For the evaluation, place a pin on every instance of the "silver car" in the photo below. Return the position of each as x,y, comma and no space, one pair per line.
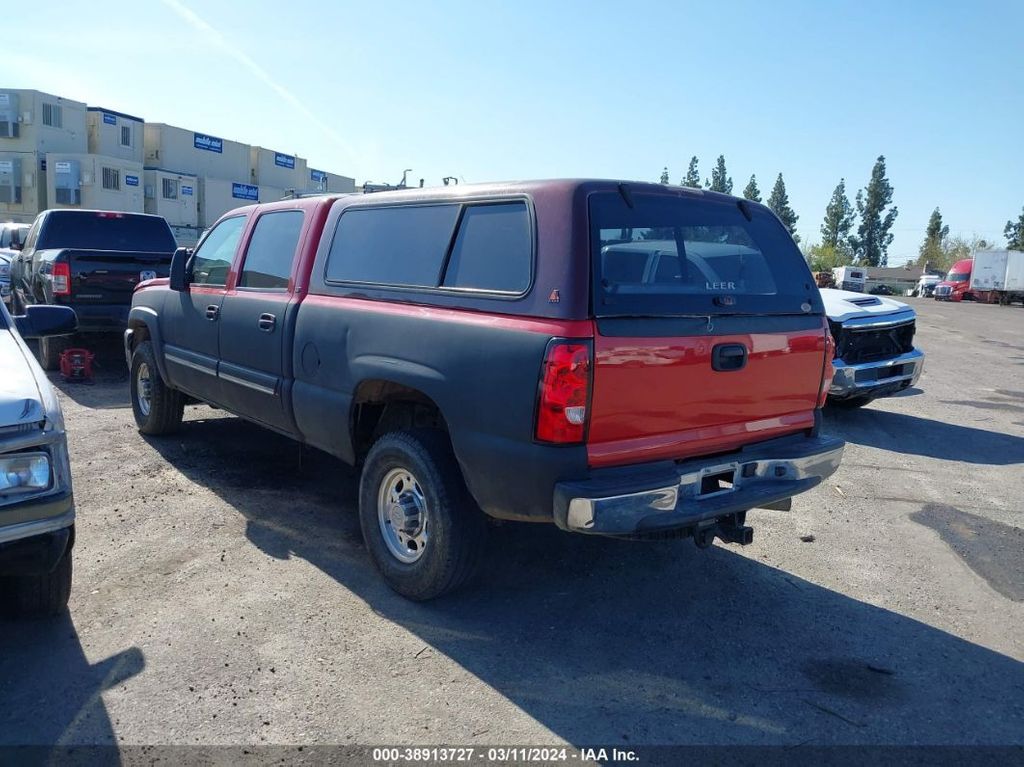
37,509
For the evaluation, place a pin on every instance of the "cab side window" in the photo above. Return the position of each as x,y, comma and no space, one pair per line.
268,259
212,260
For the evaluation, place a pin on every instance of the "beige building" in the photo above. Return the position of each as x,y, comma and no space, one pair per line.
115,134
94,182
175,196
33,123
56,152
322,181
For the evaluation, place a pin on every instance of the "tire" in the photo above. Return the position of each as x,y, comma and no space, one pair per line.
40,596
447,551
50,349
160,412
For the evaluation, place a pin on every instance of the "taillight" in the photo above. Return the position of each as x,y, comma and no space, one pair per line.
827,370
61,279
564,395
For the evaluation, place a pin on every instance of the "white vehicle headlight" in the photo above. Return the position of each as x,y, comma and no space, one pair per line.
24,472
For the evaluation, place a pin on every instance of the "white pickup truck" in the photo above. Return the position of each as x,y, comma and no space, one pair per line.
875,354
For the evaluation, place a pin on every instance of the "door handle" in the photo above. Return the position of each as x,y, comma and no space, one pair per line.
212,312
267,322
726,357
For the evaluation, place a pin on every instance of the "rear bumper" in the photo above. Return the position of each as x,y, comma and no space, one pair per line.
876,379
101,318
668,495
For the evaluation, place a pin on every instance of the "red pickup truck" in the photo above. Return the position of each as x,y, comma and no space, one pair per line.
621,359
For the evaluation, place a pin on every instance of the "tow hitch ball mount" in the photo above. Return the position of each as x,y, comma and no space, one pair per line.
730,529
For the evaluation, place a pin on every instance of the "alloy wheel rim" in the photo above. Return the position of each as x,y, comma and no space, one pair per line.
143,388
402,515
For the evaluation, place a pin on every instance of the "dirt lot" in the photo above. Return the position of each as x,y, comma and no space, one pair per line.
223,595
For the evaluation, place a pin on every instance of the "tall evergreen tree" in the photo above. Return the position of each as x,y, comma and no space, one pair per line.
933,249
750,191
877,215
835,229
778,201
664,175
1014,233
720,181
692,178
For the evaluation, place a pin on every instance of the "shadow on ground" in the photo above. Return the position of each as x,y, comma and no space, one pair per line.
43,668
903,433
623,642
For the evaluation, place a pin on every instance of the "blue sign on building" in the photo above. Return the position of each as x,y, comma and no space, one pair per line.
109,119
209,143
245,191
131,180
284,160
186,190
318,176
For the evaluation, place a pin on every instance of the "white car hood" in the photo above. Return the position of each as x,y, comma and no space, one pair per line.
842,305
20,399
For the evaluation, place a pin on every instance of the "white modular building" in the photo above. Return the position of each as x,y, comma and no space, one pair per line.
22,186
198,154
322,181
94,182
277,169
115,134
175,196
33,123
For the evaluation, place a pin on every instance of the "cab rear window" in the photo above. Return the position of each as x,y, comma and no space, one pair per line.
675,255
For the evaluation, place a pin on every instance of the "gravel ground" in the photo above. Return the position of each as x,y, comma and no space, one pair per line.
223,595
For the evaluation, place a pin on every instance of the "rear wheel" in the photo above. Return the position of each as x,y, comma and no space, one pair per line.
42,595
421,527
157,407
50,349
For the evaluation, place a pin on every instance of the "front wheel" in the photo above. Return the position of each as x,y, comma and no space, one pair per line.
39,596
157,407
423,530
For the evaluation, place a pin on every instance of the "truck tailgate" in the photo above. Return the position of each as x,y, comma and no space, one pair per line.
658,397
710,333
109,276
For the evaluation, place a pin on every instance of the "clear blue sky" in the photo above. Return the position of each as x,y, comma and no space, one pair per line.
522,89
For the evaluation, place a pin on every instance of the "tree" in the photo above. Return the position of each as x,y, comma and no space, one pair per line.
825,258
751,192
720,180
778,201
692,178
874,235
835,229
664,175
931,251
1014,233
951,250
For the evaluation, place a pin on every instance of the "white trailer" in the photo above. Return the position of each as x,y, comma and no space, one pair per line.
850,278
998,276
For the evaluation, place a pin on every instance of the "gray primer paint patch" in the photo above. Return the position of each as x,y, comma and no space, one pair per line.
993,550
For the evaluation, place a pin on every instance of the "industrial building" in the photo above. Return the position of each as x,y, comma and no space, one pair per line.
55,152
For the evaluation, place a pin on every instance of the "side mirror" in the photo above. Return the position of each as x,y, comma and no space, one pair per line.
179,269
41,320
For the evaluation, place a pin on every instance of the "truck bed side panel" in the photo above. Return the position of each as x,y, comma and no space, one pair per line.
481,371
